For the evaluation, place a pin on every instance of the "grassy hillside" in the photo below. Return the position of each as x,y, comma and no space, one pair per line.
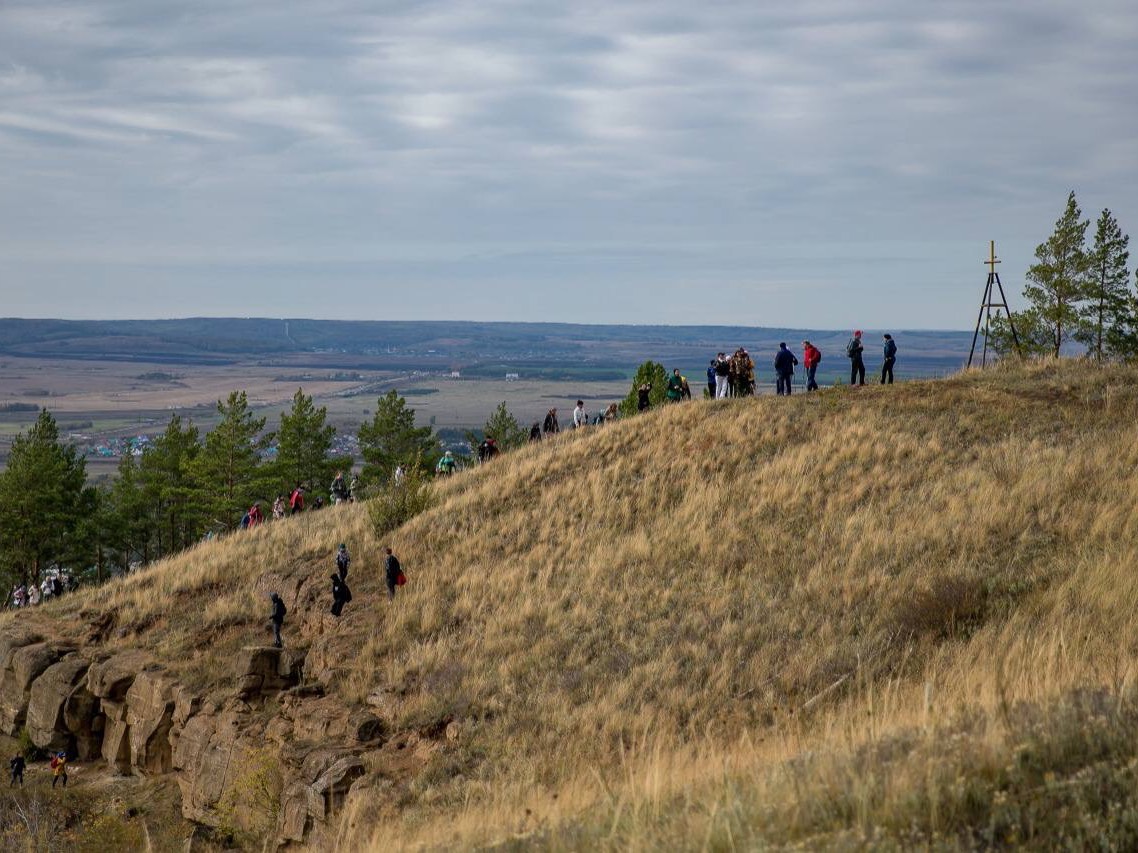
893,616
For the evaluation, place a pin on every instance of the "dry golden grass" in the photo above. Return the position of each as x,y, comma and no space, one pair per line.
691,628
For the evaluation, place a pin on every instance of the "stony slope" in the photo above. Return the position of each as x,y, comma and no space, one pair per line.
642,596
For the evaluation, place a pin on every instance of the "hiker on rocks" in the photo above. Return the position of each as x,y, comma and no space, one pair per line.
393,572
446,465
296,501
722,376
711,379
16,766
338,489
59,768
674,391
279,508
354,488
341,595
811,355
255,515
784,363
643,397
343,560
277,617
854,350
550,426
580,416
535,431
487,450
890,352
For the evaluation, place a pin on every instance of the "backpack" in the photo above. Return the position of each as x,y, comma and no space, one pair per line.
853,348
400,579
817,355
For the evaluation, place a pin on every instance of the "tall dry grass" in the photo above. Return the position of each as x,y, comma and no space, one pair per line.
662,622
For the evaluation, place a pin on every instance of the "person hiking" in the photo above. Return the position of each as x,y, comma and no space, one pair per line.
711,379
722,376
16,766
446,465
244,523
399,475
279,508
56,586
784,362
341,595
854,350
580,416
890,352
339,489
392,571
685,389
551,426
354,488
643,397
296,500
343,560
277,617
487,450
255,515
674,391
535,431
612,413
59,768
811,355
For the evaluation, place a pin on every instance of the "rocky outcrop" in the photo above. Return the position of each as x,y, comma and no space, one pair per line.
319,792
150,704
264,670
20,665
109,681
47,703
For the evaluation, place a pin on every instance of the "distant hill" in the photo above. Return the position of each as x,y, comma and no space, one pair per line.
465,345
886,618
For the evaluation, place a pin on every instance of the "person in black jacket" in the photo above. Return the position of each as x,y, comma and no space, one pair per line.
343,560
890,348
784,366
16,765
854,350
341,595
277,617
392,570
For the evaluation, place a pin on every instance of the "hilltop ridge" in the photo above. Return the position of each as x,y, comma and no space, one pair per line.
603,631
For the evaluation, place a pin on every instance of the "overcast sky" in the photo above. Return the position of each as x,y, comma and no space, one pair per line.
813,164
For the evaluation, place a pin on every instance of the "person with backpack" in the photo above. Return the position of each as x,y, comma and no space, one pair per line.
784,362
550,426
296,500
343,560
341,595
674,390
339,489
722,376
393,573
811,355
255,515
16,766
446,465
854,350
277,617
890,348
59,769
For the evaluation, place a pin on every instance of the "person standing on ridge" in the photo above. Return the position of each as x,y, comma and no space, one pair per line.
16,766
784,362
711,380
279,508
675,388
811,355
446,465
890,348
580,416
341,595
854,350
339,489
277,617
722,376
354,488
392,571
535,432
643,397
343,560
296,501
551,427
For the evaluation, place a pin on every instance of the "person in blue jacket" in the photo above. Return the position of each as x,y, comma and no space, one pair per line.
784,363
890,353
711,380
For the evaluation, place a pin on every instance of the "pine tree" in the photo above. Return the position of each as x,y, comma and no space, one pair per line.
1106,314
130,522
304,446
391,439
504,428
229,471
649,371
167,473
41,499
1059,277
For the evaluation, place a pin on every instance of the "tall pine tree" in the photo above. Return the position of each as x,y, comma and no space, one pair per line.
304,444
1106,314
1058,279
391,438
168,477
229,471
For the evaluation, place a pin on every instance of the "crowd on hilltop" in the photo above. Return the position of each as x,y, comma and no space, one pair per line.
55,583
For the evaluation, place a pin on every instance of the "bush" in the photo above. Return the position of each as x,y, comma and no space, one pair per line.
397,504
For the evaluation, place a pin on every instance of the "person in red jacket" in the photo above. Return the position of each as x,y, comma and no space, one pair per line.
811,355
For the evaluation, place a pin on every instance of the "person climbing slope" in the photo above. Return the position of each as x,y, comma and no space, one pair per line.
343,560
393,573
341,595
277,617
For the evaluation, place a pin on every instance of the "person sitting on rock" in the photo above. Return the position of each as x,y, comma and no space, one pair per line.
16,765
341,595
277,617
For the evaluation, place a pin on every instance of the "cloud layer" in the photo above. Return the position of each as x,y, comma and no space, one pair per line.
823,164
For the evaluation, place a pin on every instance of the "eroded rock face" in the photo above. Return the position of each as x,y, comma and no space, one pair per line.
318,793
210,754
21,666
112,677
47,701
265,670
150,704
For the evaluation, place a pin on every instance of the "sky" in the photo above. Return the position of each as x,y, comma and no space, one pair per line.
813,164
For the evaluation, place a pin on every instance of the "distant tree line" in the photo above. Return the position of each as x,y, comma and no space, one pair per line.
1077,292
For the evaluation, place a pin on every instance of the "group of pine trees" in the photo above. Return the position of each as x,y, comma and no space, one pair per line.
1077,292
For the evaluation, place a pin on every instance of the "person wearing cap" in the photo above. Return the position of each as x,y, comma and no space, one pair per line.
854,350
784,363
890,352
811,355
343,560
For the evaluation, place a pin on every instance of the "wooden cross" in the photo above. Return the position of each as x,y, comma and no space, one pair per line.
992,259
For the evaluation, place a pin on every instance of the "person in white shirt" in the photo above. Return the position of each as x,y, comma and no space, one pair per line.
580,418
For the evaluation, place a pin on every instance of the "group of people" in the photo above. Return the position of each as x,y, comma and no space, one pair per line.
341,592
58,764
341,491
55,584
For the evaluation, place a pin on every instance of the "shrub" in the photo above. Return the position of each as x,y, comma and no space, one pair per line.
397,504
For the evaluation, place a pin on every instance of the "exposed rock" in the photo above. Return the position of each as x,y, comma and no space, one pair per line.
210,754
326,795
83,717
112,678
47,700
116,735
453,731
150,704
265,670
328,719
20,666
326,775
